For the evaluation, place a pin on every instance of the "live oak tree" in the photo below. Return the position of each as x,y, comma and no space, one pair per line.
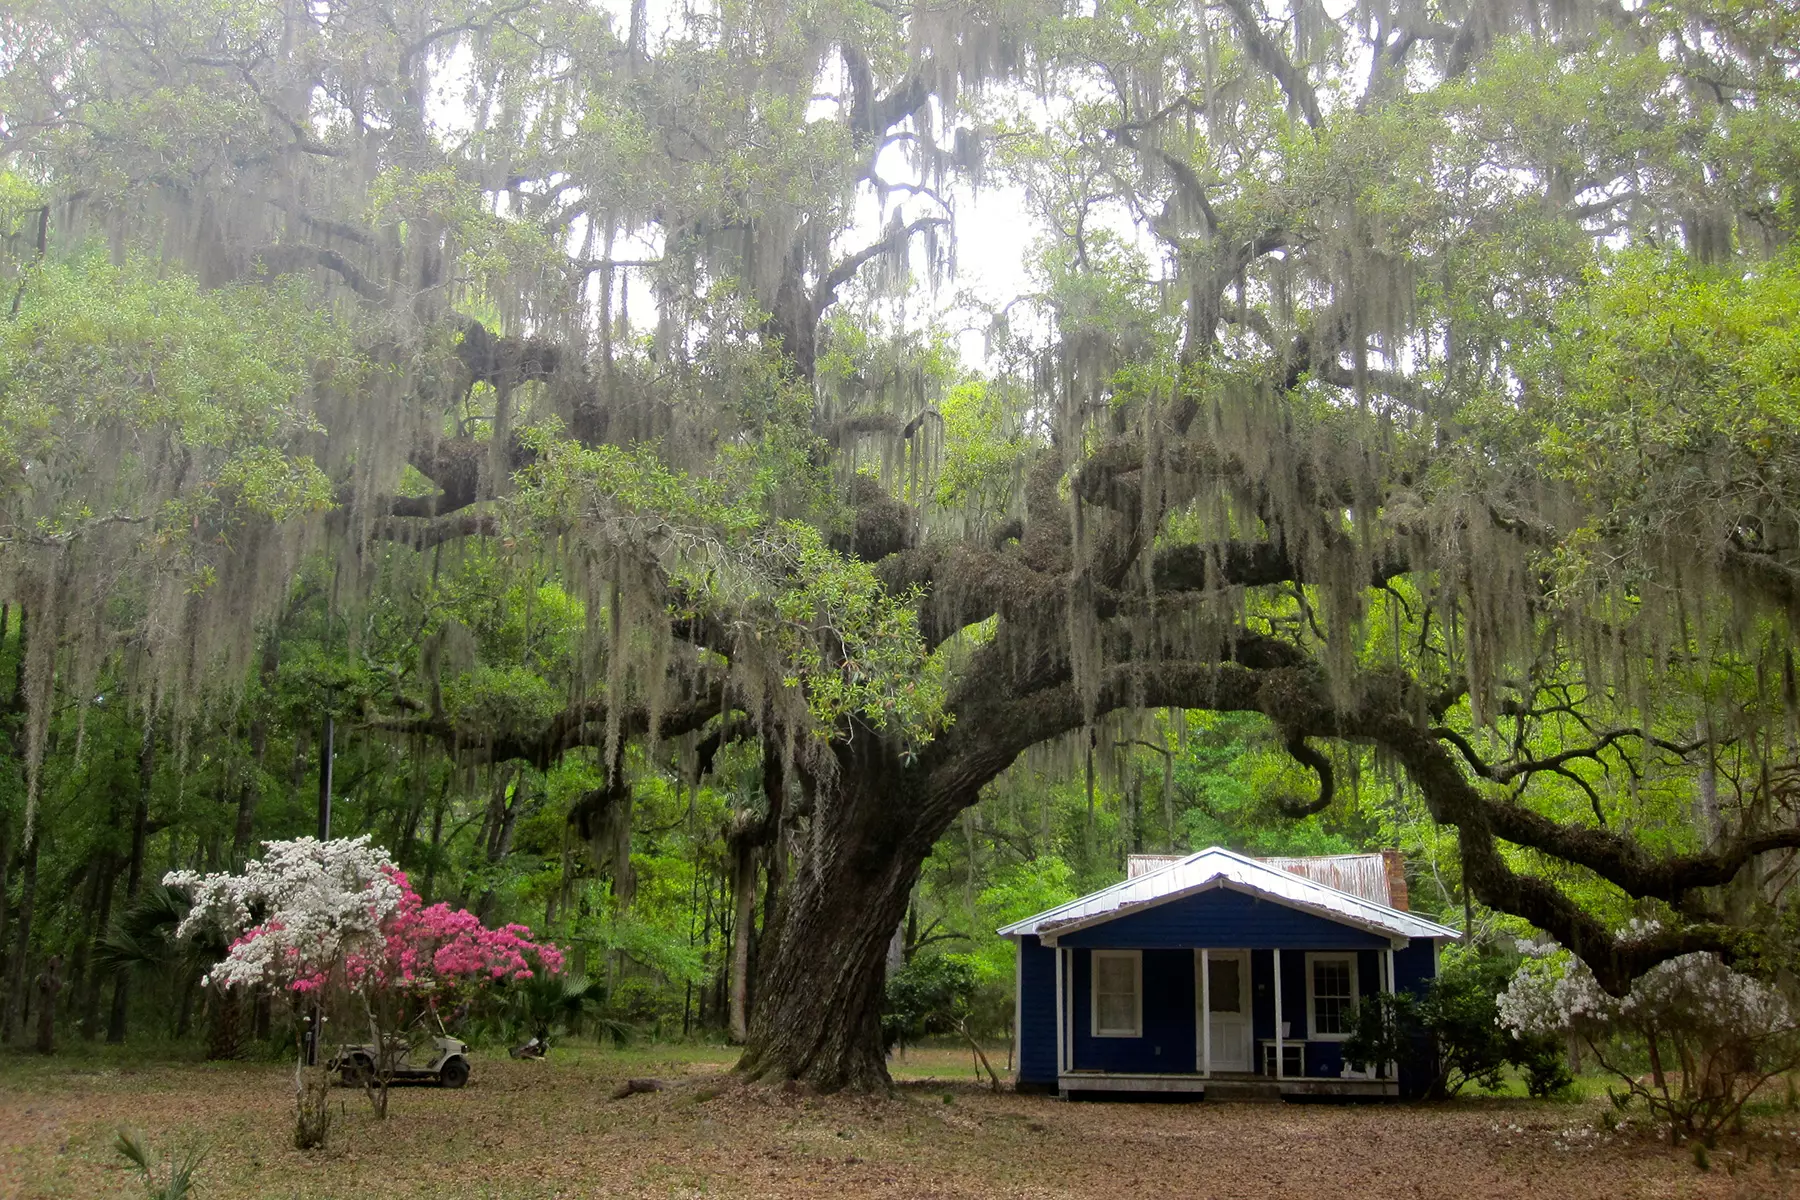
1415,376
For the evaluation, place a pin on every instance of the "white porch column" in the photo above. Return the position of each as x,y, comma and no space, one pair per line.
1387,962
1205,1014
1062,1058
1017,1050
1280,1054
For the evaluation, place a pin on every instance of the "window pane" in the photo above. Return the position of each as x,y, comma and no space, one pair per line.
1331,995
1222,975
1116,974
1118,1013
1330,1015
1115,993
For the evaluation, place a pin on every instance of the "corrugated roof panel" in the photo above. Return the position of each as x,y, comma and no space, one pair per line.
1143,864
1219,866
1362,875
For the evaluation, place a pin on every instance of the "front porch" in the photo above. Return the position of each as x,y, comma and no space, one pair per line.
1263,1022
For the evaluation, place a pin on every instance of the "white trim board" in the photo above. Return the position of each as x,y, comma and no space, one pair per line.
1136,958
1313,956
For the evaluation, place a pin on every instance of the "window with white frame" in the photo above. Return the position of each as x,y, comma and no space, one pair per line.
1118,1009
1330,995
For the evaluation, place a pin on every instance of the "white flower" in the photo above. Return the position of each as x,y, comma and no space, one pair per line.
294,912
1695,992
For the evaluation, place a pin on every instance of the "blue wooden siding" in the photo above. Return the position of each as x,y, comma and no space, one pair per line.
1037,1012
1167,1045
1415,966
1221,917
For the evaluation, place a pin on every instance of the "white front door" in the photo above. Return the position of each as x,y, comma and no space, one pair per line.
1227,990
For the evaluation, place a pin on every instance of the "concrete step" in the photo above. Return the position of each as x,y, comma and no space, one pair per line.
1243,1091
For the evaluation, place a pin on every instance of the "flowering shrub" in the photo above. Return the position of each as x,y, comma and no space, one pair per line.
1709,1036
441,950
296,913
1451,1037
338,923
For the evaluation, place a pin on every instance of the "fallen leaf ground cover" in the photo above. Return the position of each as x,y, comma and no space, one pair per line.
548,1129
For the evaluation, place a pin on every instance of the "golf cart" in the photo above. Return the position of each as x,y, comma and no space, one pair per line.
446,1062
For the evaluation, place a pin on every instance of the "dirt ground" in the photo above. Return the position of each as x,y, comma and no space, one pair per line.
548,1129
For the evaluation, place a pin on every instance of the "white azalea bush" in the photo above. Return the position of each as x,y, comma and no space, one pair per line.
295,914
1693,1039
337,924
293,920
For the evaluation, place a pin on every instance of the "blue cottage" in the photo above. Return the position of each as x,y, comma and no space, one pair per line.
1220,971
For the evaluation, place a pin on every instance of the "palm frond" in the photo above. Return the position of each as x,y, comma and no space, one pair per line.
122,950
129,1145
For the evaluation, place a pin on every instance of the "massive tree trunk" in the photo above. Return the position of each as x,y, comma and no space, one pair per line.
823,964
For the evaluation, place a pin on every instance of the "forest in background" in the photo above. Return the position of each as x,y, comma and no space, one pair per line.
123,805
1394,442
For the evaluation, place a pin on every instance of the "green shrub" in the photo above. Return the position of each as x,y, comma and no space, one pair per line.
931,994
1452,1036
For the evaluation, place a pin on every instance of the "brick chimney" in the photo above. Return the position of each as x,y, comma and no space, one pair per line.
1395,867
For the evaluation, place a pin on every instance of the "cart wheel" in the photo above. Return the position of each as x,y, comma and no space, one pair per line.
454,1073
356,1072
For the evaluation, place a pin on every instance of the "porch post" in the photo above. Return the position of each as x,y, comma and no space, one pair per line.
1061,1041
1017,1050
1205,1014
1280,1054
1387,962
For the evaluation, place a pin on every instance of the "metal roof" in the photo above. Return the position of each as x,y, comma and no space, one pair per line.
1143,864
1364,875
1219,867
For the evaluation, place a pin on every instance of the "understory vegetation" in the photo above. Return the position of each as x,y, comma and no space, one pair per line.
605,457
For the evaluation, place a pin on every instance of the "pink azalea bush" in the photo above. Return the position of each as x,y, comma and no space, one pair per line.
439,950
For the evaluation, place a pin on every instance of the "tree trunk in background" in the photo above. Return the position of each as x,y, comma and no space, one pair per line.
15,991
184,1006
509,820
5,881
89,999
250,790
49,983
437,840
224,1023
743,928
755,843
507,802
13,710
1707,816
134,875
90,904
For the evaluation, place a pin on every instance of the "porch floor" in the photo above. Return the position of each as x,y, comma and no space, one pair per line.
1224,1085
